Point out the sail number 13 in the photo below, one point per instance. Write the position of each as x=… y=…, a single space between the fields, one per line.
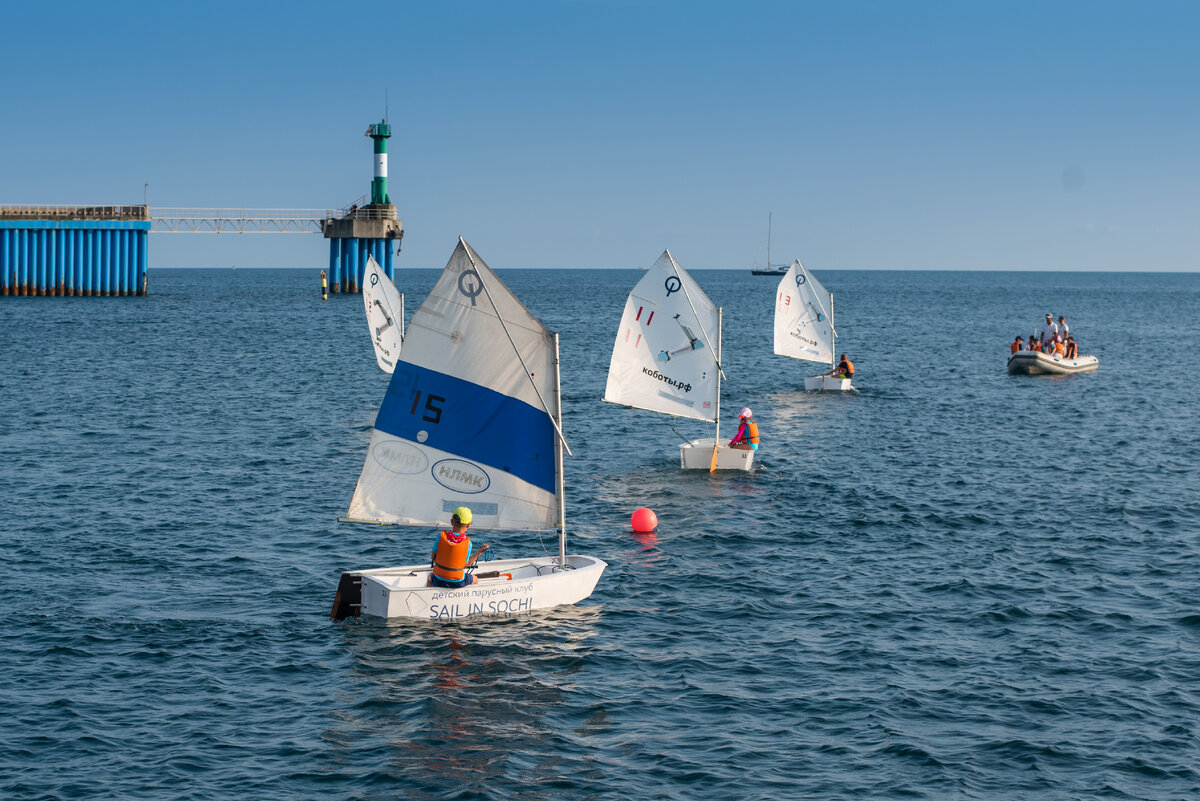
x=432 y=405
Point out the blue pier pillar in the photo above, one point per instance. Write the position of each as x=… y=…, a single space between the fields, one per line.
x=114 y=264
x=364 y=251
x=105 y=263
x=19 y=262
x=97 y=262
x=27 y=271
x=57 y=282
x=388 y=265
x=51 y=261
x=135 y=241
x=331 y=273
x=64 y=260
x=77 y=262
x=110 y=263
x=34 y=254
x=39 y=264
x=85 y=266
x=68 y=261
x=117 y=265
x=341 y=268
x=352 y=266
x=101 y=261
x=5 y=262
x=98 y=286
x=123 y=262
x=343 y=254
x=91 y=262
x=143 y=261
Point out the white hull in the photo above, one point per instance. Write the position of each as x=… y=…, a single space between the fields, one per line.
x=402 y=592
x=1025 y=362
x=697 y=455
x=827 y=382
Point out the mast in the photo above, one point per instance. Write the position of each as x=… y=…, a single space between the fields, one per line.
x=558 y=465
x=718 y=432
x=833 y=333
x=769 y=240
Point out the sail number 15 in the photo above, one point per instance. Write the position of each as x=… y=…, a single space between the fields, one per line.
x=432 y=405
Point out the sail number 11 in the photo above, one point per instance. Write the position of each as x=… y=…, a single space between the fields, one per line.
x=431 y=405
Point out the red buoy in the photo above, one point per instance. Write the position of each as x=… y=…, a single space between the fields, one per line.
x=644 y=520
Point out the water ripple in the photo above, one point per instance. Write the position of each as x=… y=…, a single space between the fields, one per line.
x=951 y=584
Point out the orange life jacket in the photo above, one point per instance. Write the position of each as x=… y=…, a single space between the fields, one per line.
x=1072 y=350
x=1058 y=347
x=450 y=558
x=849 y=368
x=752 y=432
x=1016 y=346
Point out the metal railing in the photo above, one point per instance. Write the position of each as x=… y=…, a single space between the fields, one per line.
x=65 y=211
x=213 y=221
x=240 y=221
x=260 y=221
x=361 y=211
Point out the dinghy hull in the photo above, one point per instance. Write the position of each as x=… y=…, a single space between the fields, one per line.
x=1025 y=362
x=697 y=455
x=827 y=383
x=522 y=586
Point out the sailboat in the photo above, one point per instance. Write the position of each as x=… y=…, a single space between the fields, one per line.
x=771 y=269
x=385 y=315
x=472 y=417
x=804 y=324
x=667 y=359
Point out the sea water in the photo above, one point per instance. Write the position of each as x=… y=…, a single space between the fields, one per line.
x=953 y=583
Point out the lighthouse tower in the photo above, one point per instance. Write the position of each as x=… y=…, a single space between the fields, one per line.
x=380 y=133
x=362 y=231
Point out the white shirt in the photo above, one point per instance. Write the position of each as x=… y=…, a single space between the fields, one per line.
x=1049 y=330
x=1063 y=330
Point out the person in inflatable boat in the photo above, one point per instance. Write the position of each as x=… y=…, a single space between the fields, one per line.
x=746 y=438
x=1049 y=332
x=452 y=553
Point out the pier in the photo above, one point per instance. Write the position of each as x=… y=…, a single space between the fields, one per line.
x=73 y=250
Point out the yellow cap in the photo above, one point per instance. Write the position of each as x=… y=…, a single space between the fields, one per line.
x=463 y=514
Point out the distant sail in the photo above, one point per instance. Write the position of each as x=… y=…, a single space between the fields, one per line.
x=462 y=422
x=803 y=317
x=664 y=359
x=385 y=315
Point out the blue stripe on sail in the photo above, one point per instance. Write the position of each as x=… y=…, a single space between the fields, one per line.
x=470 y=421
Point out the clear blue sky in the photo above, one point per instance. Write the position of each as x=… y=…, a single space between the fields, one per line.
x=595 y=133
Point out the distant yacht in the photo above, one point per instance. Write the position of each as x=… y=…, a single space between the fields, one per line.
x=770 y=269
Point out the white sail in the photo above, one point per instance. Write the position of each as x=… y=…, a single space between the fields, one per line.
x=468 y=418
x=385 y=315
x=665 y=356
x=803 y=317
